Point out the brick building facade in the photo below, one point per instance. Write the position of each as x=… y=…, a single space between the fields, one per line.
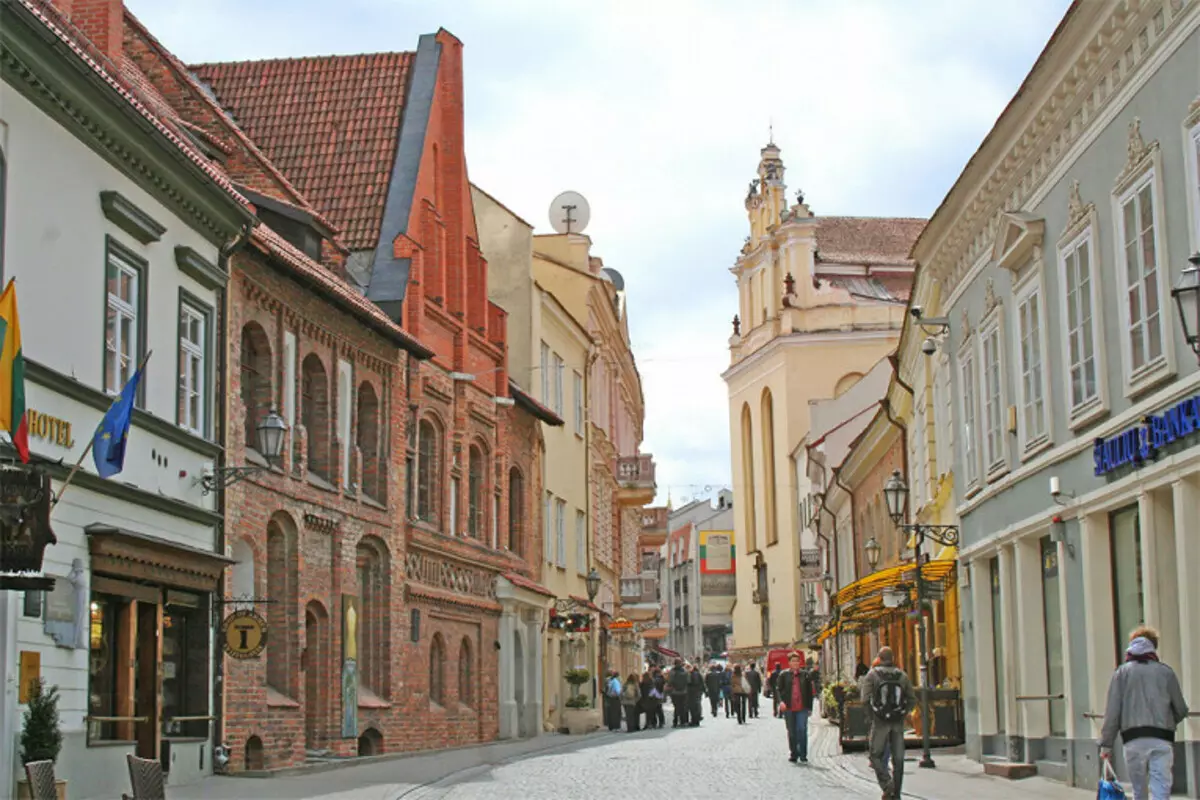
x=407 y=490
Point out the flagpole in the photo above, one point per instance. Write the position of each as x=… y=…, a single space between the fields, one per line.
x=88 y=449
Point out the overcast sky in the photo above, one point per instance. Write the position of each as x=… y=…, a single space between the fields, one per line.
x=655 y=110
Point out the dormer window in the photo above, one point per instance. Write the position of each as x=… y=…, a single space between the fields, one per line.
x=298 y=227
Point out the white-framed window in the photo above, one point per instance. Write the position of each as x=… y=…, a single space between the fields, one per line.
x=545 y=370
x=560 y=533
x=1031 y=367
x=289 y=378
x=943 y=416
x=577 y=380
x=1142 y=281
x=122 y=333
x=1083 y=344
x=345 y=389
x=970 y=441
x=193 y=367
x=1192 y=160
x=548 y=528
x=991 y=393
x=580 y=543
x=558 y=384
x=917 y=450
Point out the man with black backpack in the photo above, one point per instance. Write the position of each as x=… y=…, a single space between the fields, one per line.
x=889 y=695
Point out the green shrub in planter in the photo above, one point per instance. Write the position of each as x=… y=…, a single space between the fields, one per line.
x=41 y=740
x=579 y=701
x=577 y=677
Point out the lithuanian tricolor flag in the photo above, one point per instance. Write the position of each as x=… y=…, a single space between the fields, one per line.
x=12 y=374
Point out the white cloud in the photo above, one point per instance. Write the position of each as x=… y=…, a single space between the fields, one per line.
x=656 y=111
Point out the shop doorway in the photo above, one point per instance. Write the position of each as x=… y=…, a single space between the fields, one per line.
x=317 y=678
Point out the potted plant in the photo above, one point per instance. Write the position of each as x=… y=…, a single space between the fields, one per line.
x=578 y=714
x=41 y=740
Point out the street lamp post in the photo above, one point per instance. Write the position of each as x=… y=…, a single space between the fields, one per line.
x=1187 y=299
x=895 y=493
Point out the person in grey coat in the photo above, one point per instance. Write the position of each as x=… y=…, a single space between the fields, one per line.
x=889 y=696
x=1145 y=705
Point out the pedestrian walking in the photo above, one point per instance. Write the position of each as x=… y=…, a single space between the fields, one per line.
x=712 y=685
x=756 y=684
x=695 y=696
x=679 y=688
x=795 y=692
x=612 y=701
x=631 y=696
x=741 y=688
x=1145 y=705
x=727 y=689
x=646 y=689
x=772 y=682
x=889 y=697
x=658 y=697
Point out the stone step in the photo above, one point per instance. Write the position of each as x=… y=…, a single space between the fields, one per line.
x=1054 y=770
x=1012 y=770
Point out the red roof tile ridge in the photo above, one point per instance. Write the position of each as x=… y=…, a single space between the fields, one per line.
x=527 y=583
x=819 y=217
x=299 y=59
x=186 y=75
x=103 y=66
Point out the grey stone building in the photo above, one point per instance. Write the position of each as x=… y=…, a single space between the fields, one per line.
x=1074 y=412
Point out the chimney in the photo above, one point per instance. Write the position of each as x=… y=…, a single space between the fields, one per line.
x=102 y=21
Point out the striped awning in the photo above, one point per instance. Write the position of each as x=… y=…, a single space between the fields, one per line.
x=861 y=604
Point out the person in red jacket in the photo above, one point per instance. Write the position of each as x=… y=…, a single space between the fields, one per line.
x=796 y=691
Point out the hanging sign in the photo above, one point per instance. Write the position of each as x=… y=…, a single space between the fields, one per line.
x=245 y=634
x=1140 y=443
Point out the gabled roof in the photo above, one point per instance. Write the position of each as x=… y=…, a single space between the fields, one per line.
x=330 y=123
x=867 y=240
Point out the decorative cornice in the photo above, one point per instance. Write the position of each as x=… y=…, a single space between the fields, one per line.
x=326 y=525
x=1104 y=67
x=200 y=269
x=1137 y=153
x=121 y=211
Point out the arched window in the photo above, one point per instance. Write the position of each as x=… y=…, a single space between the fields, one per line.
x=374 y=592
x=256 y=380
x=282 y=590
x=768 y=451
x=476 y=480
x=429 y=468
x=374 y=471
x=315 y=414
x=465 y=679
x=748 y=490
x=516 y=511
x=437 y=664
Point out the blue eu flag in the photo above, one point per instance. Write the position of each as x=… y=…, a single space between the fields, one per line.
x=108 y=448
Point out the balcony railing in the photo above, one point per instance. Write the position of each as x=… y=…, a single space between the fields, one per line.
x=654 y=519
x=639 y=590
x=636 y=471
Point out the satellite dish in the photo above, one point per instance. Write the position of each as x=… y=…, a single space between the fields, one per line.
x=569 y=213
x=614 y=278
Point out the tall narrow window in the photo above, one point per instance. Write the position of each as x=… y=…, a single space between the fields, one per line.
x=437 y=666
x=314 y=413
x=966 y=362
x=548 y=529
x=465 y=674
x=374 y=472
x=577 y=382
x=345 y=423
x=193 y=368
x=1141 y=276
x=1193 y=181
x=580 y=543
x=1125 y=537
x=282 y=612
x=495 y=521
x=374 y=654
x=516 y=511
x=3 y=195
x=289 y=378
x=1033 y=396
x=748 y=490
x=1052 y=618
x=454 y=506
x=768 y=451
x=545 y=374
x=122 y=327
x=1080 y=295
x=255 y=374
x=475 y=490
x=560 y=532
x=993 y=399
x=998 y=644
x=558 y=384
x=429 y=470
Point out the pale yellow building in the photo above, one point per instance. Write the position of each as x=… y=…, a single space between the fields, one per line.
x=821 y=300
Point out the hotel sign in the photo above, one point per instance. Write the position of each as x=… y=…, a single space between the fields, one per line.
x=52 y=429
x=1140 y=443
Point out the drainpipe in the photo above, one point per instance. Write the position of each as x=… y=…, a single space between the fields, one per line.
x=224 y=262
x=592 y=354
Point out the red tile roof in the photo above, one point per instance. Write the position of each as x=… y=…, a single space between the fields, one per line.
x=525 y=583
x=867 y=240
x=330 y=123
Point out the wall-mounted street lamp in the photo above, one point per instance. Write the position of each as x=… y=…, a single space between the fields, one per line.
x=593 y=584
x=895 y=494
x=1187 y=299
x=827 y=584
x=270 y=433
x=873 y=550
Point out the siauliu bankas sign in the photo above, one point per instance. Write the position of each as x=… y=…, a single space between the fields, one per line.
x=1140 y=443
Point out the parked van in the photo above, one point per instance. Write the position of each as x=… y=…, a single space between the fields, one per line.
x=780 y=657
